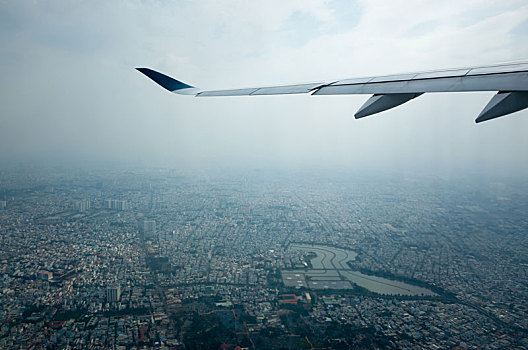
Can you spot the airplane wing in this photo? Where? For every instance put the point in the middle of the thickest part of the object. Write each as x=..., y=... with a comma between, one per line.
x=510, y=80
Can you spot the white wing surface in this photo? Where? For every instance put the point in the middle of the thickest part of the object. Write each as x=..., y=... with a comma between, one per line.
x=510, y=80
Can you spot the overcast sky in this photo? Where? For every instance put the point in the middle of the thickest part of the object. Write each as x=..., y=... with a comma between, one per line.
x=69, y=89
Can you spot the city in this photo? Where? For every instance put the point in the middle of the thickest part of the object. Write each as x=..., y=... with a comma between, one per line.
x=161, y=258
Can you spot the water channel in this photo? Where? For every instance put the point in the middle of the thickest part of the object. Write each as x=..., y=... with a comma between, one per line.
x=330, y=270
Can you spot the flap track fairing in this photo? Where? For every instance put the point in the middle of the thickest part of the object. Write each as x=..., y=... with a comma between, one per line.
x=379, y=103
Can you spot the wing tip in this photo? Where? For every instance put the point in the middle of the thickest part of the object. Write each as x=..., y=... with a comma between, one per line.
x=163, y=80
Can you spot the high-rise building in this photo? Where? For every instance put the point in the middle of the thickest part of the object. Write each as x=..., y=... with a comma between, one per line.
x=113, y=293
x=149, y=227
x=81, y=205
x=121, y=205
x=3, y=204
x=116, y=204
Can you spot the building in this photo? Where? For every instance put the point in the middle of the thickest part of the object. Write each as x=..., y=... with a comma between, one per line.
x=45, y=275
x=3, y=204
x=149, y=227
x=81, y=205
x=290, y=299
x=116, y=204
x=113, y=293
x=108, y=203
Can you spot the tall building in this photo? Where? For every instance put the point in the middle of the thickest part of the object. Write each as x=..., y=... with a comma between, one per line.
x=81, y=205
x=121, y=205
x=149, y=227
x=113, y=293
x=116, y=204
x=3, y=204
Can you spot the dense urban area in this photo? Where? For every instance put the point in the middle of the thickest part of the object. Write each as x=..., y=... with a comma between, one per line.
x=161, y=258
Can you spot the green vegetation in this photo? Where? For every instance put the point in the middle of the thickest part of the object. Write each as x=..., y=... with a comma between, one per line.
x=134, y=311
x=68, y=315
x=159, y=264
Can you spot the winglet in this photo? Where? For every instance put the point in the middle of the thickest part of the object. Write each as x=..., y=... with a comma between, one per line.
x=169, y=83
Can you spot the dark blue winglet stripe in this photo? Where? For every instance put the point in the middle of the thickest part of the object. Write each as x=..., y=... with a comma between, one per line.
x=163, y=80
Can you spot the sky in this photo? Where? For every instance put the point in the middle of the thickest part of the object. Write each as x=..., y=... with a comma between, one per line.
x=69, y=89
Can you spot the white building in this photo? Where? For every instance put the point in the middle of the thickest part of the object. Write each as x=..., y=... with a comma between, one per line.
x=81, y=205
x=113, y=293
x=149, y=227
x=116, y=204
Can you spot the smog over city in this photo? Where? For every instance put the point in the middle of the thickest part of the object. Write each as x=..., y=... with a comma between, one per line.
x=132, y=217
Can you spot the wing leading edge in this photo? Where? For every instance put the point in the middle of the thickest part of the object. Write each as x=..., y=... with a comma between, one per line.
x=509, y=80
